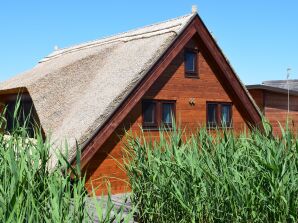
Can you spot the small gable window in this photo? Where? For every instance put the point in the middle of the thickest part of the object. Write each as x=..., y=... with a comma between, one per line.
x=219, y=114
x=190, y=63
x=158, y=113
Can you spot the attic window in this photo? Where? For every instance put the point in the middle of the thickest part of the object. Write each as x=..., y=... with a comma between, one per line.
x=190, y=63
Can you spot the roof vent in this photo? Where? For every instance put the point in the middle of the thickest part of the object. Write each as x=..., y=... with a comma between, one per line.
x=56, y=48
x=194, y=9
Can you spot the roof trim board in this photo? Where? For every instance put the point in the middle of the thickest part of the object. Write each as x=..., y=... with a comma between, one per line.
x=102, y=134
x=236, y=89
x=239, y=92
x=272, y=89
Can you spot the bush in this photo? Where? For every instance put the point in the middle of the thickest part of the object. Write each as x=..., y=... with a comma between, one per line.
x=214, y=177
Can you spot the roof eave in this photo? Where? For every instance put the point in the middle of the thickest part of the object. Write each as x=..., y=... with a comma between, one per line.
x=271, y=89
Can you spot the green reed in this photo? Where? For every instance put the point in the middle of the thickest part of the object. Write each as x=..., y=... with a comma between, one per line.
x=214, y=176
x=31, y=192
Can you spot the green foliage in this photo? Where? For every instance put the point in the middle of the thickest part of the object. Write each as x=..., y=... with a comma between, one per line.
x=217, y=177
x=30, y=192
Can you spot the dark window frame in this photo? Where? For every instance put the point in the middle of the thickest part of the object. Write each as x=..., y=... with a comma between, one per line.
x=219, y=115
x=158, y=114
x=195, y=73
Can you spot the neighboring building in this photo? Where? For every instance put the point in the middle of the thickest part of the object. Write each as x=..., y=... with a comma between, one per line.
x=93, y=91
x=272, y=99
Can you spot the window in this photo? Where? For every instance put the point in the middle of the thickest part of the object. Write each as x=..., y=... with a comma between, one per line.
x=190, y=63
x=158, y=113
x=219, y=114
x=25, y=113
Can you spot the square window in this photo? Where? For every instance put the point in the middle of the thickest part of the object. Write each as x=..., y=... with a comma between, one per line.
x=219, y=114
x=158, y=113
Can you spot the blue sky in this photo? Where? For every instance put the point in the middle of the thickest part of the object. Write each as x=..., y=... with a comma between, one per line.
x=259, y=37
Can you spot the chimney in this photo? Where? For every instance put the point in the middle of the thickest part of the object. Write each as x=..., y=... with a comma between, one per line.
x=194, y=9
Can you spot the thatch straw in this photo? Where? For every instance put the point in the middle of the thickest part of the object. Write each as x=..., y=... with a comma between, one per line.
x=74, y=90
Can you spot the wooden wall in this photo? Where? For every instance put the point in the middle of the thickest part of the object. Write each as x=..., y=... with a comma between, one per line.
x=172, y=85
x=275, y=108
x=258, y=96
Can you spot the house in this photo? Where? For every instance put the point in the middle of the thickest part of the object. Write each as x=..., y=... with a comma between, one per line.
x=278, y=101
x=91, y=92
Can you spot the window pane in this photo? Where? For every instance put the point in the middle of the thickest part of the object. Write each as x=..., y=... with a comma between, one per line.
x=211, y=115
x=226, y=114
x=149, y=112
x=190, y=62
x=167, y=112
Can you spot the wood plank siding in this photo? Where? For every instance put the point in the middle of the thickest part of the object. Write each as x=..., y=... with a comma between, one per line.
x=161, y=81
x=274, y=106
x=171, y=85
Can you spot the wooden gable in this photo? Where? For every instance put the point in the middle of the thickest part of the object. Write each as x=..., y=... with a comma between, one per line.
x=166, y=81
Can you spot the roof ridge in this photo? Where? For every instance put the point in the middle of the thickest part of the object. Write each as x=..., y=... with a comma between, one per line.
x=114, y=37
x=128, y=31
x=99, y=43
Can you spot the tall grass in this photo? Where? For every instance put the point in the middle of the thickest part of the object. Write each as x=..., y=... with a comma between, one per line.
x=30, y=192
x=217, y=177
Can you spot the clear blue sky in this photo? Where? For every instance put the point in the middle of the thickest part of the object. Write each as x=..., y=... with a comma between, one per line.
x=259, y=37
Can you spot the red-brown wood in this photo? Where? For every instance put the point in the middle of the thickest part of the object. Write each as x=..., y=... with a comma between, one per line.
x=274, y=106
x=221, y=66
x=171, y=85
x=218, y=64
x=136, y=95
x=258, y=96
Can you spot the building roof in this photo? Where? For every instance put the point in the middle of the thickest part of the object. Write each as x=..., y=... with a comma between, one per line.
x=75, y=89
x=78, y=90
x=293, y=84
x=278, y=86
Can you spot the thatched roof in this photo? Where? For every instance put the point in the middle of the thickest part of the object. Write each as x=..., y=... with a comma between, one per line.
x=74, y=90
